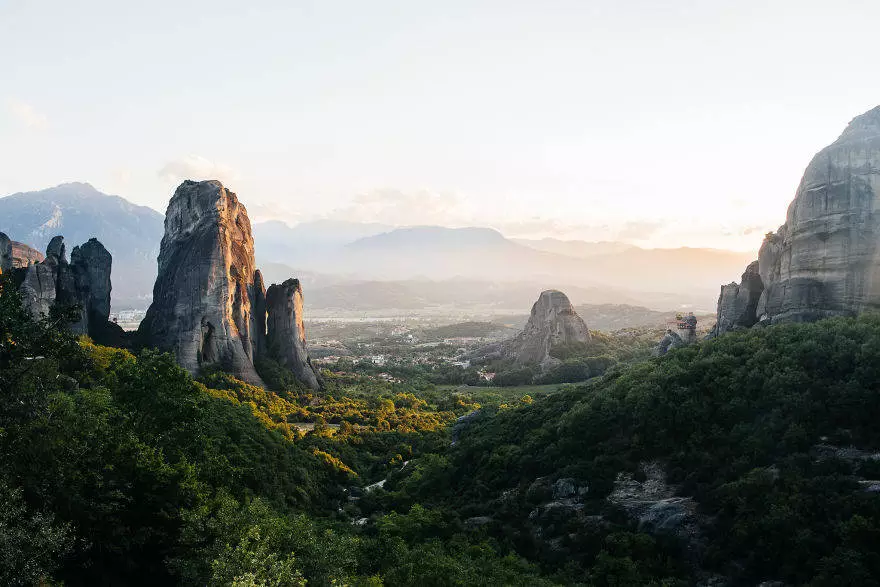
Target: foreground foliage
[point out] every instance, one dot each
(123, 469)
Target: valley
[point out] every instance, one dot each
(450, 294)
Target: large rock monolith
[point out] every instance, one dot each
(204, 293)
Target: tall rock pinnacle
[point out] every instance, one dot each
(209, 302)
(286, 335)
(824, 261)
(202, 299)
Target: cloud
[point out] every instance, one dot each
(196, 167)
(27, 115)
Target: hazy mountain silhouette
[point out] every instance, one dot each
(79, 212)
(276, 241)
(334, 255)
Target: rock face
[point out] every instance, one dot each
(93, 264)
(552, 322)
(824, 260)
(23, 255)
(286, 336)
(5, 253)
(83, 282)
(738, 303)
(203, 296)
(209, 306)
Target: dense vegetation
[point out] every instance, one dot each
(580, 361)
(123, 469)
(752, 425)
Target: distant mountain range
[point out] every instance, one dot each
(79, 212)
(483, 254)
(373, 265)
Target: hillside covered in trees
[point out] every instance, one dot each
(753, 457)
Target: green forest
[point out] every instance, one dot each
(752, 457)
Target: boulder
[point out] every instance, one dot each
(203, 299)
(285, 333)
(671, 340)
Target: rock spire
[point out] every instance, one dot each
(209, 305)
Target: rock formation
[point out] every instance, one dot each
(738, 303)
(824, 260)
(552, 322)
(5, 253)
(202, 299)
(92, 265)
(82, 282)
(209, 306)
(286, 336)
(24, 255)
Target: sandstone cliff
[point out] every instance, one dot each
(824, 260)
(552, 322)
(209, 304)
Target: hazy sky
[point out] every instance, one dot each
(663, 123)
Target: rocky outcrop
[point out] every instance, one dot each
(738, 303)
(24, 255)
(209, 305)
(671, 340)
(83, 282)
(552, 322)
(286, 335)
(38, 287)
(5, 253)
(824, 260)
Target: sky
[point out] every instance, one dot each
(664, 124)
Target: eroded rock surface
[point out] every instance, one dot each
(84, 282)
(5, 253)
(824, 260)
(738, 303)
(210, 306)
(92, 264)
(203, 297)
(552, 322)
(286, 335)
(24, 255)
(654, 505)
